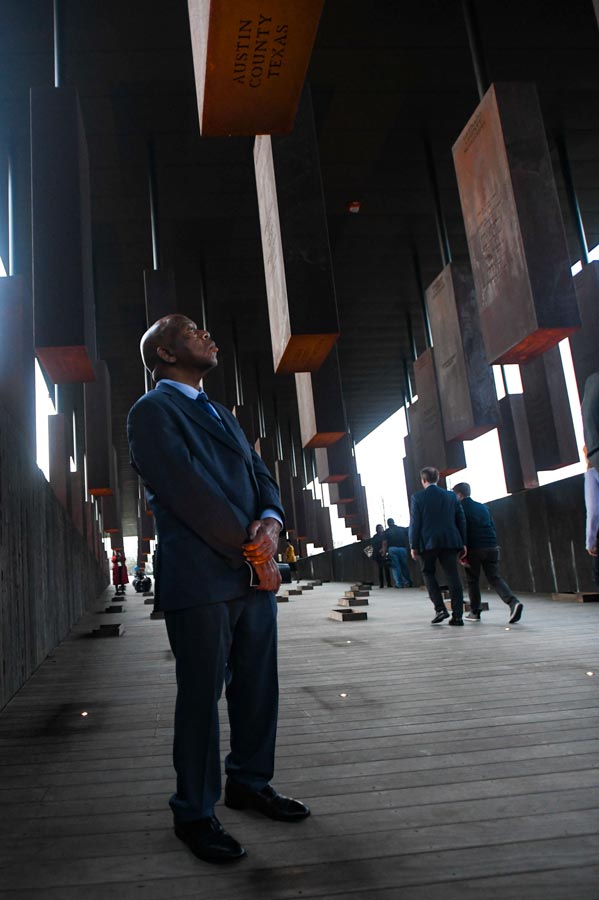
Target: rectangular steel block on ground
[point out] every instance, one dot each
(282, 599)
(353, 601)
(577, 597)
(104, 631)
(347, 615)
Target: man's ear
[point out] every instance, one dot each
(165, 355)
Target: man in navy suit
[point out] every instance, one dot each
(218, 515)
(438, 532)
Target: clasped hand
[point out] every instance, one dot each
(260, 549)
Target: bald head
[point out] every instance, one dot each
(158, 335)
(174, 347)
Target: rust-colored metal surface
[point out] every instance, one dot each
(334, 463)
(516, 446)
(514, 227)
(426, 421)
(585, 343)
(250, 60)
(300, 289)
(63, 295)
(58, 451)
(548, 411)
(16, 354)
(464, 378)
(320, 404)
(98, 432)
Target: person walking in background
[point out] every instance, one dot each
(396, 545)
(380, 557)
(120, 576)
(290, 558)
(483, 552)
(591, 502)
(438, 532)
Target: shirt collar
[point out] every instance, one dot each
(186, 389)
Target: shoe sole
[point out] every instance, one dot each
(217, 860)
(517, 614)
(440, 621)
(468, 619)
(239, 804)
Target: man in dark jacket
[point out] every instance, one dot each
(396, 543)
(483, 552)
(438, 532)
(218, 516)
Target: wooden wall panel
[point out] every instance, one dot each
(50, 577)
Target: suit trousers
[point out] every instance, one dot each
(449, 562)
(488, 559)
(233, 642)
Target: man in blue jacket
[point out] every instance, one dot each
(438, 532)
(483, 552)
(218, 517)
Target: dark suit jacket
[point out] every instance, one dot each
(437, 520)
(205, 484)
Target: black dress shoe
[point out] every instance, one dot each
(267, 801)
(454, 621)
(208, 840)
(440, 616)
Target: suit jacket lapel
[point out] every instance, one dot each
(204, 419)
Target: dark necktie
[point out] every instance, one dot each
(207, 406)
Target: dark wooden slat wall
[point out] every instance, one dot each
(48, 576)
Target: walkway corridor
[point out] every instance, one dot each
(440, 763)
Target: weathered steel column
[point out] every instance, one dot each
(61, 231)
(297, 262)
(250, 60)
(98, 432)
(514, 229)
(159, 283)
(583, 343)
(320, 403)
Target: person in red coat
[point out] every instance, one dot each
(119, 572)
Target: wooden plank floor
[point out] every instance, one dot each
(461, 763)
